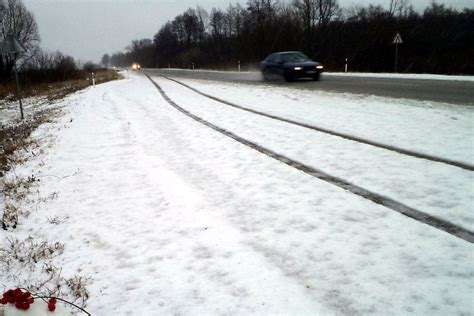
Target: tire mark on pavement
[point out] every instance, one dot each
(396, 149)
(401, 208)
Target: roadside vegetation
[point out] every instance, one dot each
(437, 40)
(56, 89)
(27, 261)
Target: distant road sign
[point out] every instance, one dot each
(397, 39)
(11, 45)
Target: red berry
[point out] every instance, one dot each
(25, 306)
(52, 300)
(18, 305)
(4, 301)
(30, 300)
(18, 295)
(51, 307)
(9, 295)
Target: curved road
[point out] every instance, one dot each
(449, 91)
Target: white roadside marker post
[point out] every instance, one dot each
(93, 79)
(345, 67)
(238, 65)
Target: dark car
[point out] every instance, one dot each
(290, 66)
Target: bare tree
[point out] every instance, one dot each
(236, 13)
(18, 20)
(400, 8)
(308, 10)
(105, 61)
(308, 13)
(327, 9)
(203, 17)
(217, 22)
(316, 12)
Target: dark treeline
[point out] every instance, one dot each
(439, 40)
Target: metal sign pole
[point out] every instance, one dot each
(397, 40)
(11, 46)
(396, 57)
(18, 91)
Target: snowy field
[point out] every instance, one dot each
(432, 128)
(437, 189)
(166, 216)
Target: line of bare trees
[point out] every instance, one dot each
(35, 64)
(439, 40)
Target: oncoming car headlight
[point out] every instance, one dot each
(297, 68)
(136, 66)
(319, 67)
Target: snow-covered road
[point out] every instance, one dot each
(169, 217)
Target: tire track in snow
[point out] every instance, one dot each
(392, 204)
(396, 149)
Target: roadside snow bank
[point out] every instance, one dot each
(401, 76)
(437, 129)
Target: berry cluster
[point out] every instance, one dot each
(52, 304)
(22, 300)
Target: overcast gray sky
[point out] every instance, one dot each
(86, 29)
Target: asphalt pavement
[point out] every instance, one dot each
(448, 91)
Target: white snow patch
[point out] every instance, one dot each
(432, 128)
(438, 189)
(402, 76)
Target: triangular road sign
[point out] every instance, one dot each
(397, 39)
(10, 45)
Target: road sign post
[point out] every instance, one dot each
(11, 45)
(397, 40)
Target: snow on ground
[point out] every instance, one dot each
(438, 189)
(10, 111)
(437, 129)
(402, 76)
(169, 217)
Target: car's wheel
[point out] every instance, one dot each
(317, 76)
(266, 75)
(288, 77)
